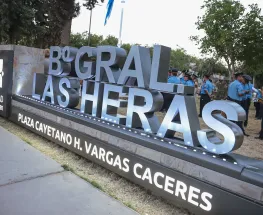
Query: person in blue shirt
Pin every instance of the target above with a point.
(260, 95)
(213, 86)
(244, 98)
(182, 81)
(248, 87)
(257, 104)
(205, 93)
(168, 98)
(236, 93)
(236, 89)
(174, 79)
(169, 74)
(188, 81)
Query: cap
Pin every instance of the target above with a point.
(247, 77)
(174, 70)
(195, 75)
(238, 73)
(207, 75)
(187, 75)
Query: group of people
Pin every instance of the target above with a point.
(239, 91)
(184, 77)
(188, 79)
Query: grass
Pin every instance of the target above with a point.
(128, 193)
(115, 186)
(129, 205)
(27, 141)
(92, 182)
(97, 185)
(68, 168)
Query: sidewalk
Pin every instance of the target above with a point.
(31, 183)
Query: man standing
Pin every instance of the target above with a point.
(181, 77)
(187, 80)
(236, 92)
(248, 90)
(261, 116)
(206, 92)
(168, 98)
(257, 104)
(174, 79)
(169, 73)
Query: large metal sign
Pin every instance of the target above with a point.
(6, 81)
(89, 82)
(197, 196)
(105, 80)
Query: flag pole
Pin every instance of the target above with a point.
(90, 20)
(121, 22)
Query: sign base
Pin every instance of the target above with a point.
(179, 174)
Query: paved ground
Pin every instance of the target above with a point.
(31, 183)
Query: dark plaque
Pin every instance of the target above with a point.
(6, 81)
(195, 195)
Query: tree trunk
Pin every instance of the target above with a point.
(65, 34)
(11, 37)
(233, 68)
(229, 69)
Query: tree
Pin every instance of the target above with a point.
(252, 40)
(36, 23)
(211, 66)
(126, 46)
(79, 40)
(70, 10)
(223, 24)
(16, 18)
(180, 59)
(90, 4)
(110, 40)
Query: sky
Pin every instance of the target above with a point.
(170, 23)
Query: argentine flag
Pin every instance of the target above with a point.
(109, 9)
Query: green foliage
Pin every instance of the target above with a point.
(126, 46)
(231, 32)
(16, 19)
(35, 23)
(179, 58)
(252, 41)
(110, 40)
(78, 40)
(212, 66)
(90, 4)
